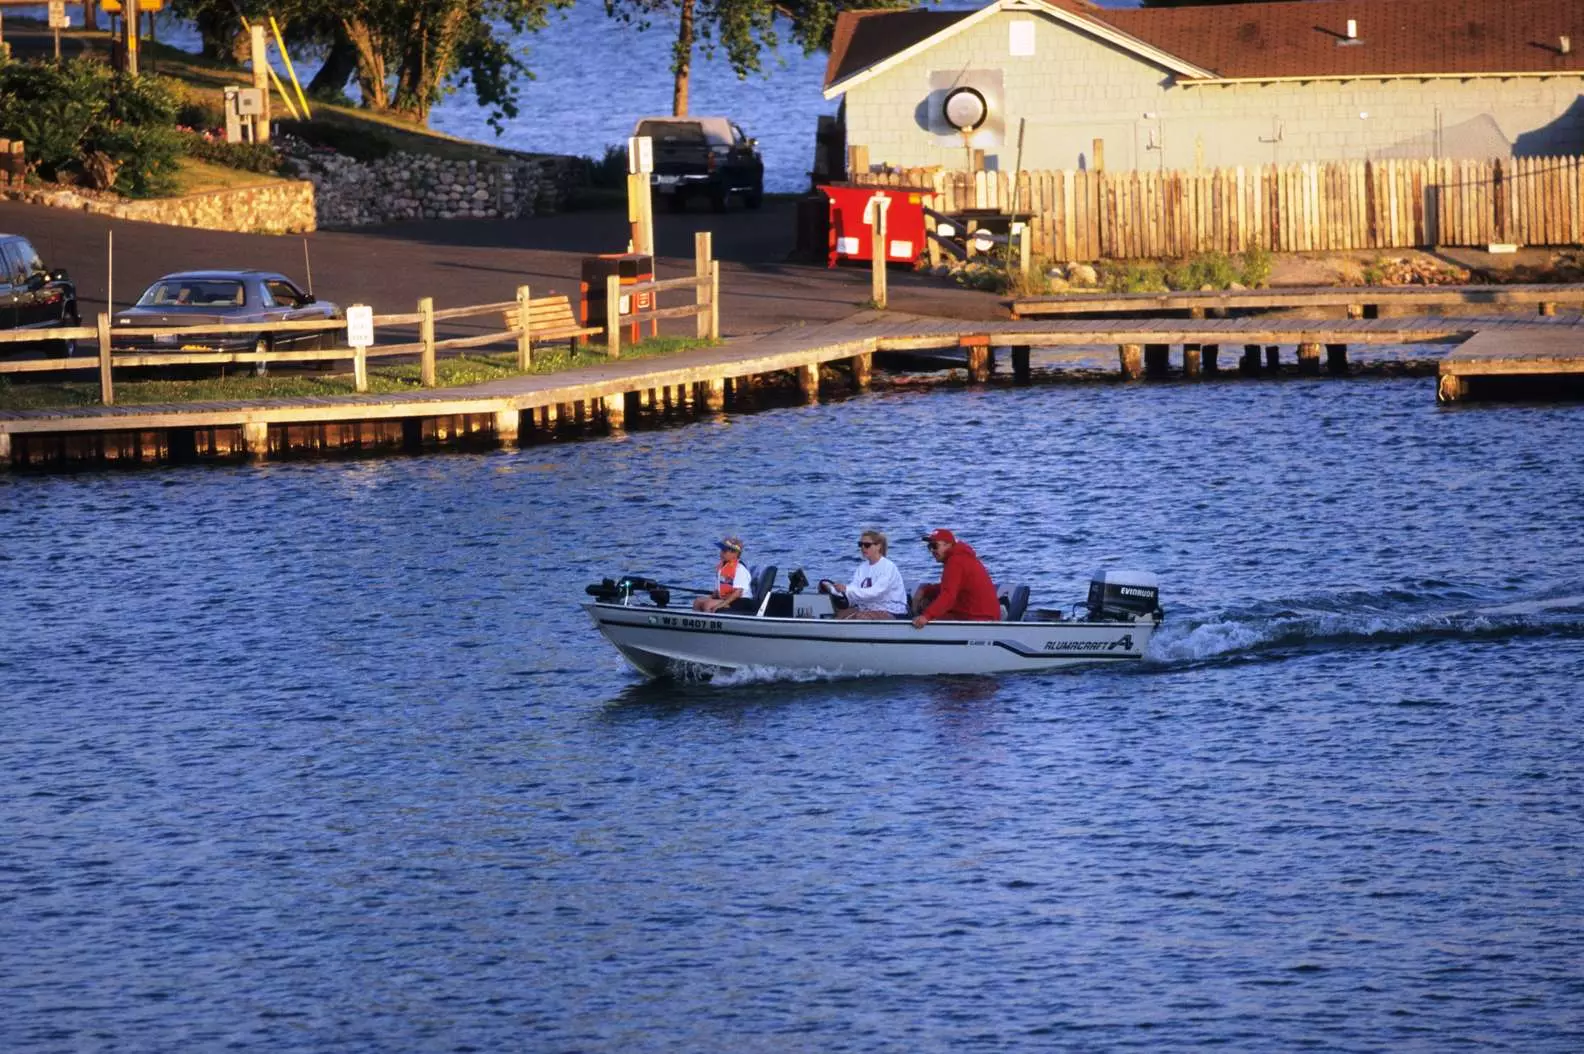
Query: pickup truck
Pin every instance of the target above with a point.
(706, 157)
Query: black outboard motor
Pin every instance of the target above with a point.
(1122, 596)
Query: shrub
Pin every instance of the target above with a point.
(67, 113)
(1127, 277)
(611, 170)
(249, 157)
(1257, 267)
(1211, 269)
(361, 144)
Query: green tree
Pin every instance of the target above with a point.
(743, 29)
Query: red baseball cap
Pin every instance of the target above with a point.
(940, 534)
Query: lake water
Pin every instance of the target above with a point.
(323, 756)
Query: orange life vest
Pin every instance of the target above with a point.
(727, 574)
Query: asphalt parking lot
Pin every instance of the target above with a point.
(459, 262)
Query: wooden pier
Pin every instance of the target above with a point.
(1358, 301)
(1496, 364)
(701, 380)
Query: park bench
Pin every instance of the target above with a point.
(550, 318)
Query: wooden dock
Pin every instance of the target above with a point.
(701, 379)
(1496, 363)
(1359, 301)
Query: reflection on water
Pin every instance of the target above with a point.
(324, 755)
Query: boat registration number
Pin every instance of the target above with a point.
(683, 622)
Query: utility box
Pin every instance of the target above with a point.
(632, 269)
(849, 235)
(244, 109)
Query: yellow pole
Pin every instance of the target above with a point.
(286, 57)
(275, 78)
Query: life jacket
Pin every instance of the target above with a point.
(726, 576)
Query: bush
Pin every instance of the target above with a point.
(611, 170)
(249, 157)
(69, 113)
(1213, 269)
(357, 143)
(1126, 277)
(1257, 267)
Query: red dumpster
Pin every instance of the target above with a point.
(850, 236)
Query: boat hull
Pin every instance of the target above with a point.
(656, 641)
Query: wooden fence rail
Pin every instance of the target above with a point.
(1319, 206)
(523, 318)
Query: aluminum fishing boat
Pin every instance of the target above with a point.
(793, 630)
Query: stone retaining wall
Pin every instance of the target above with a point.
(281, 207)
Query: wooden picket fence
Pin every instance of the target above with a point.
(1344, 205)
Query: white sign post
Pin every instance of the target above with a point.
(58, 20)
(640, 204)
(360, 337)
(875, 210)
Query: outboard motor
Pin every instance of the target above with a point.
(1122, 596)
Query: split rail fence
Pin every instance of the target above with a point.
(1344, 205)
(525, 319)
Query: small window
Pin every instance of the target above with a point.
(282, 293)
(1021, 38)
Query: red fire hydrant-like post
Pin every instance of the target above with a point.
(875, 217)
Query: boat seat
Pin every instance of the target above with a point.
(1014, 602)
(763, 583)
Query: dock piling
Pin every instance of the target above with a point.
(1273, 357)
(507, 423)
(1157, 360)
(808, 380)
(1191, 360)
(1212, 353)
(255, 439)
(1020, 364)
(426, 337)
(1308, 358)
(862, 371)
(1249, 364)
(1132, 356)
(1336, 358)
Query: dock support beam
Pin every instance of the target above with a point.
(507, 423)
(5, 451)
(1336, 358)
(1212, 353)
(615, 407)
(1308, 359)
(1157, 360)
(1273, 357)
(808, 381)
(255, 439)
(1020, 364)
(862, 371)
(1190, 354)
(1132, 357)
(1249, 364)
(977, 348)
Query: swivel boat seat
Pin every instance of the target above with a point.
(763, 583)
(1014, 602)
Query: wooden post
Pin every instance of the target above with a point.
(1098, 157)
(1273, 357)
(1190, 356)
(1336, 358)
(1249, 365)
(616, 412)
(857, 160)
(1308, 358)
(1547, 308)
(5, 451)
(1355, 311)
(978, 349)
(640, 213)
(1157, 359)
(702, 247)
(613, 316)
(714, 331)
(1212, 352)
(808, 380)
(715, 393)
(260, 57)
(426, 337)
(507, 424)
(1197, 313)
(1020, 364)
(1023, 250)
(1132, 356)
(360, 369)
(106, 388)
(255, 439)
(879, 206)
(1450, 388)
(524, 330)
(862, 371)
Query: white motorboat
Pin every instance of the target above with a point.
(793, 630)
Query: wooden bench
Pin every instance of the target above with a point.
(550, 318)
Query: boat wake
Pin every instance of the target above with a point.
(1358, 619)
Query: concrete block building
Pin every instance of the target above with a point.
(1202, 87)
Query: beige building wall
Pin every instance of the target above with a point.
(1075, 88)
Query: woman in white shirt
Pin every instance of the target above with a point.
(876, 589)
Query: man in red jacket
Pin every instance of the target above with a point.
(965, 592)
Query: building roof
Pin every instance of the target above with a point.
(1276, 40)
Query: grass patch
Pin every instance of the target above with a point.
(195, 177)
(389, 378)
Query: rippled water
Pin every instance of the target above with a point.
(321, 756)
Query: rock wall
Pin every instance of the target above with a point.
(281, 207)
(351, 193)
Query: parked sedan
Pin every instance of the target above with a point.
(191, 298)
(33, 296)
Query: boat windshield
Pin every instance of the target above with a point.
(193, 292)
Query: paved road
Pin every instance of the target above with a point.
(479, 261)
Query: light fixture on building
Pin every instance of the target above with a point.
(965, 108)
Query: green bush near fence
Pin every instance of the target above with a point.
(82, 120)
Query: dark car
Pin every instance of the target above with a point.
(31, 295)
(190, 298)
(705, 157)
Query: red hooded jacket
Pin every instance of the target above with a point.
(966, 592)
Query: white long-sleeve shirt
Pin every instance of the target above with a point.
(878, 587)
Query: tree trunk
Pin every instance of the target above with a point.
(339, 66)
(682, 62)
(91, 15)
(370, 63)
(426, 61)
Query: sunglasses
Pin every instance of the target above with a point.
(867, 545)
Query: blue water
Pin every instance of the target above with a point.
(322, 755)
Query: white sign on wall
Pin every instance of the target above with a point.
(1020, 38)
(640, 154)
(58, 18)
(360, 326)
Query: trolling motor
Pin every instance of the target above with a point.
(609, 591)
(797, 581)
